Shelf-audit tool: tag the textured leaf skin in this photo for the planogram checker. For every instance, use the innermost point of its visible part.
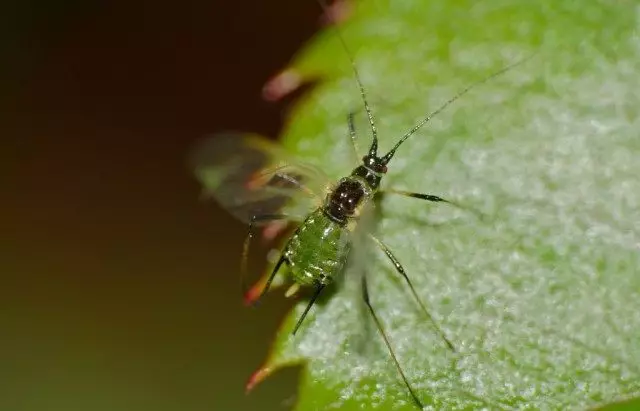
(542, 295)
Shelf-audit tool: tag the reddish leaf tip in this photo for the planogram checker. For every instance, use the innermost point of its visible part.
(281, 84)
(252, 295)
(337, 12)
(258, 376)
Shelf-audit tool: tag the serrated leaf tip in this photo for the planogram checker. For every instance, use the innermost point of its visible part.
(257, 377)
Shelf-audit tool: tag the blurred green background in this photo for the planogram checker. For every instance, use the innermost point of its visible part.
(119, 288)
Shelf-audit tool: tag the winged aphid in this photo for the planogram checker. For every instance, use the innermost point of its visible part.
(259, 183)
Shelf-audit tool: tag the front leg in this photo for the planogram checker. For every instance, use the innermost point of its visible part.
(433, 198)
(428, 197)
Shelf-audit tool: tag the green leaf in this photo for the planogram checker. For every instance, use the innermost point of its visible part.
(541, 297)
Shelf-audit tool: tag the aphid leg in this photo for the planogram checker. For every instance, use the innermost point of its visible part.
(245, 249)
(401, 271)
(352, 135)
(267, 285)
(315, 296)
(432, 198)
(365, 296)
(428, 197)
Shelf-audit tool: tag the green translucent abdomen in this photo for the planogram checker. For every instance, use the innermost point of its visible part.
(318, 250)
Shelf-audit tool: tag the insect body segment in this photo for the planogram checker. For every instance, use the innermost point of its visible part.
(315, 254)
(317, 250)
(347, 199)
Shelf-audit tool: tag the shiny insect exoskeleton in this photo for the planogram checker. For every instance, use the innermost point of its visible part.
(261, 185)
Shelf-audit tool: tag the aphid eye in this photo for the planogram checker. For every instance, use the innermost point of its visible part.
(384, 169)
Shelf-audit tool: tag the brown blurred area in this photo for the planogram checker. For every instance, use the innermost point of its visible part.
(118, 288)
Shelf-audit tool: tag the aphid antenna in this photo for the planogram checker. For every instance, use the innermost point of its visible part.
(374, 132)
(387, 157)
(373, 150)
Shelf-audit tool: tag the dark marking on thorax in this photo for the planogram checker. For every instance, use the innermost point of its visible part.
(342, 203)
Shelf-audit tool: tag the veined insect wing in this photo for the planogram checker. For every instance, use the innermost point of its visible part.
(250, 176)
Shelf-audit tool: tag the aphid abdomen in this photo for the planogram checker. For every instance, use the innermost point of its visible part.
(318, 250)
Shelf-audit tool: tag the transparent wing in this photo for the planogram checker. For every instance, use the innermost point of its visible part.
(248, 176)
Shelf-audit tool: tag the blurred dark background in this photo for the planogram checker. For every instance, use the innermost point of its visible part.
(118, 288)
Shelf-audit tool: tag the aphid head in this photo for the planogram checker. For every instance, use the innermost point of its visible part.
(371, 170)
(374, 163)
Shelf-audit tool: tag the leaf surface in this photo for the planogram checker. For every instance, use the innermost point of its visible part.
(542, 296)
